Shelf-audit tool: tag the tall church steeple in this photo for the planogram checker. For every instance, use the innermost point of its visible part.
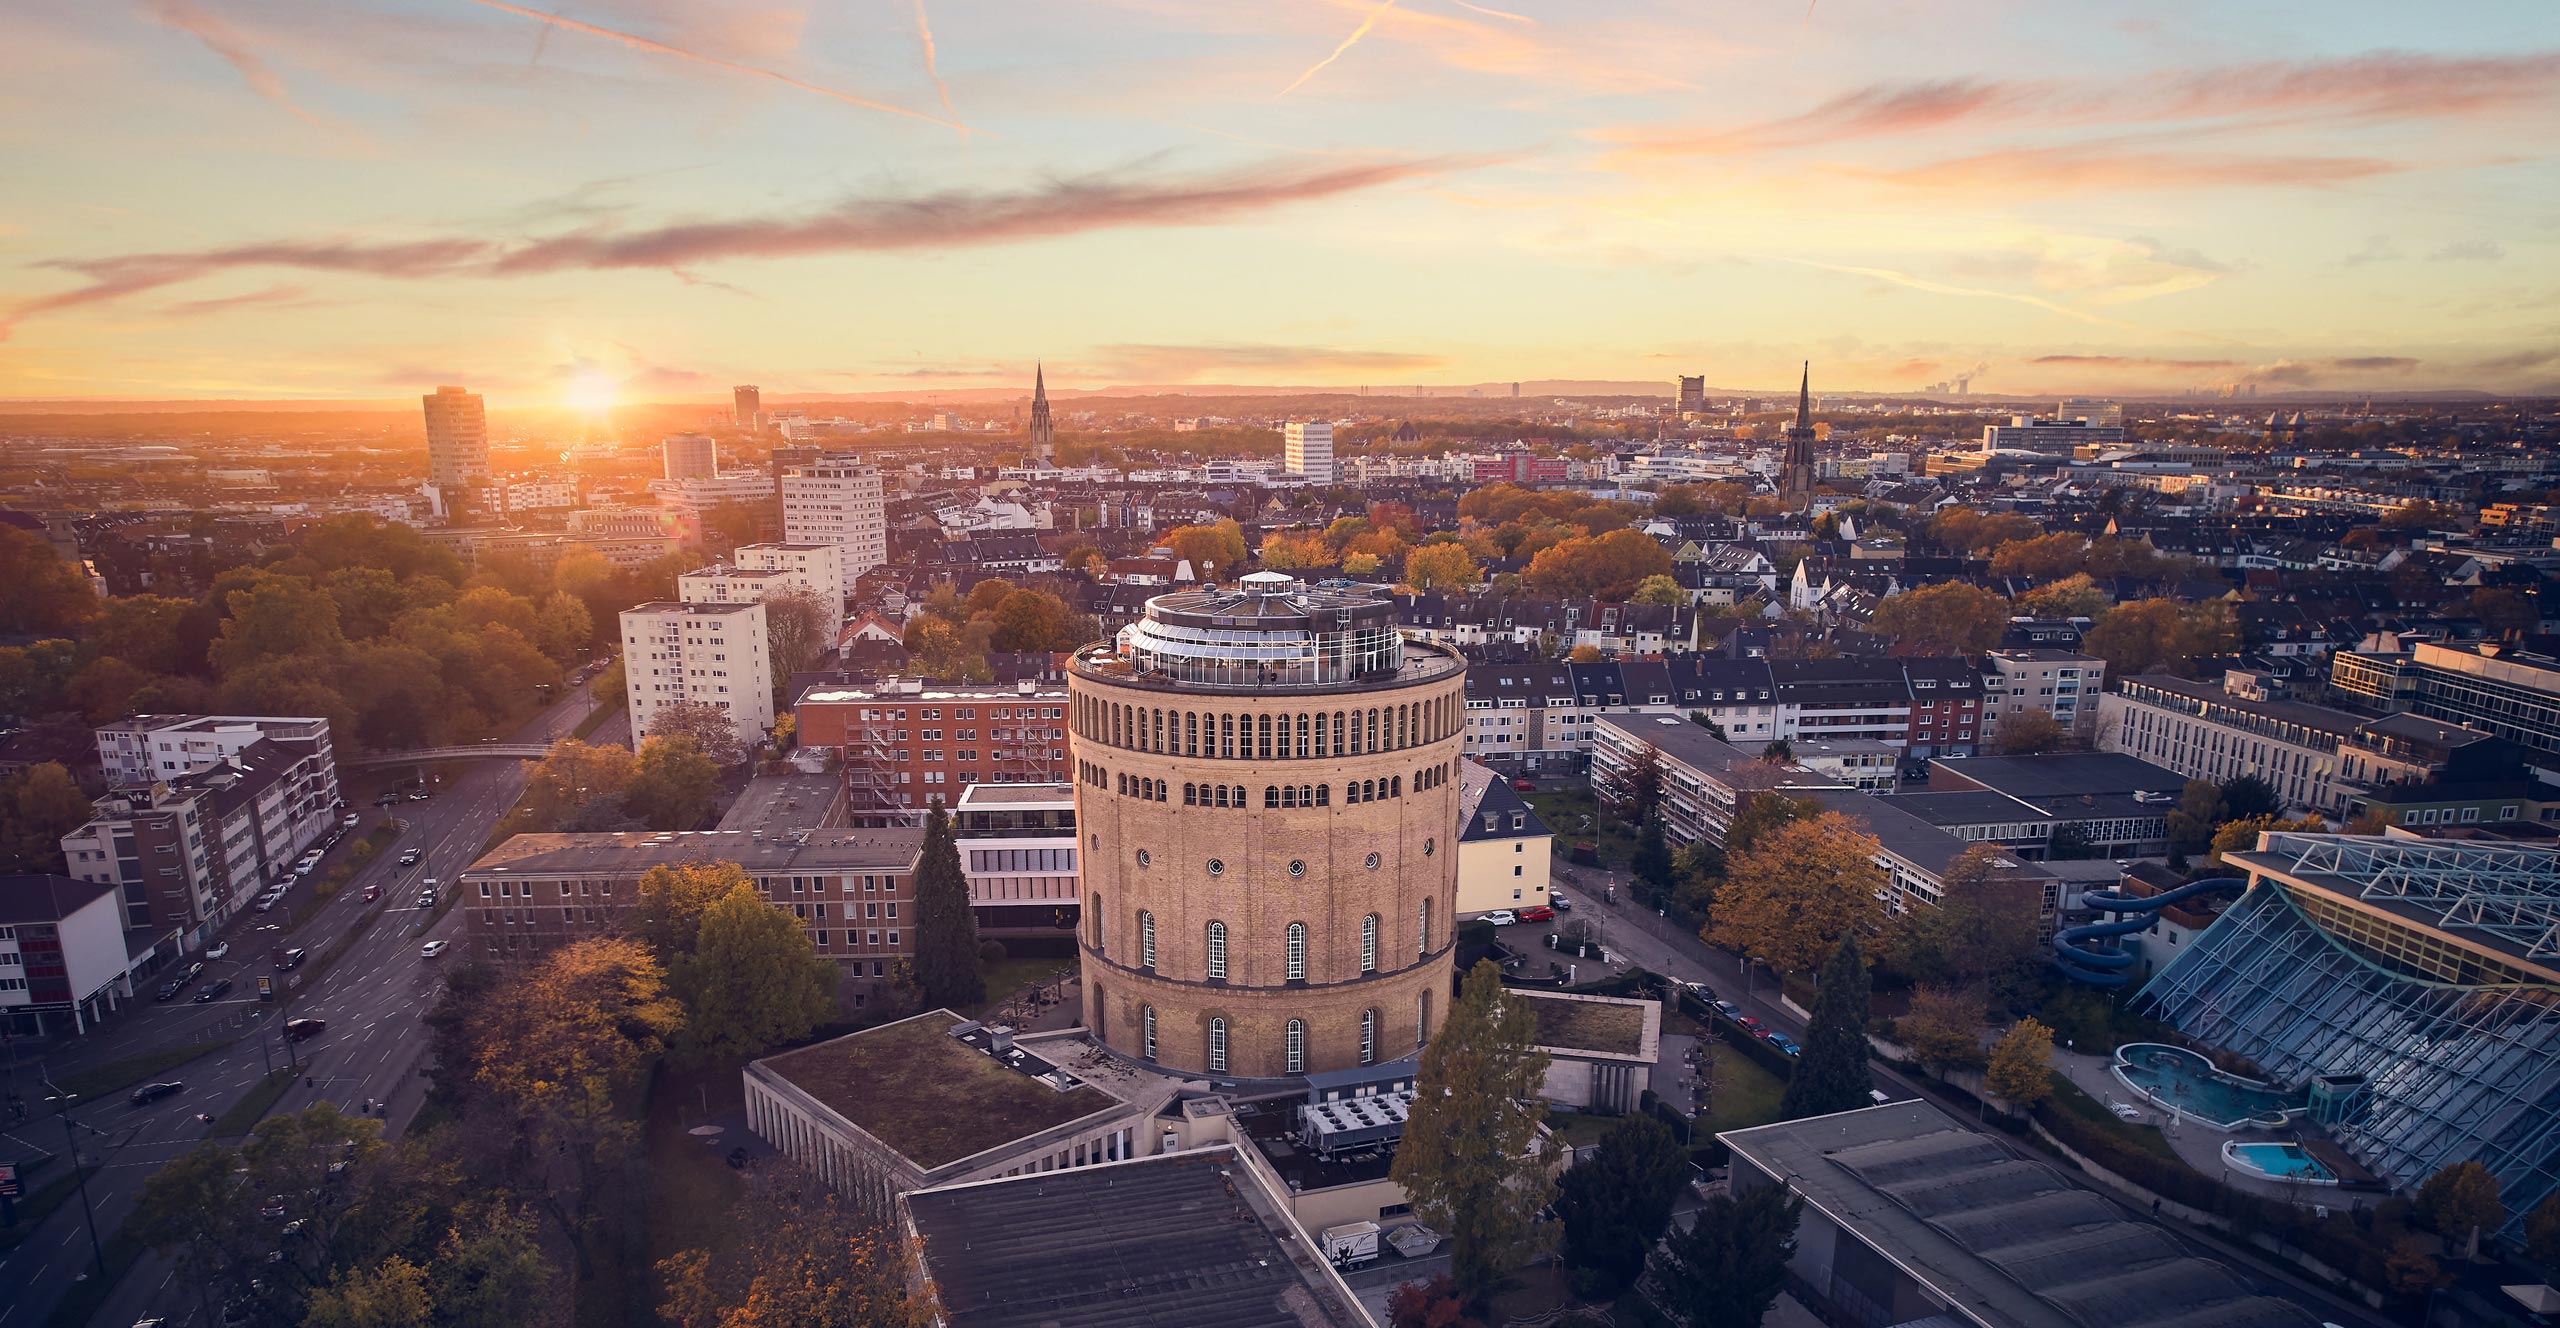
(1795, 464)
(1044, 435)
(1804, 401)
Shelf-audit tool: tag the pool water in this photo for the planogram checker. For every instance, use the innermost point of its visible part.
(2177, 1078)
(2281, 1161)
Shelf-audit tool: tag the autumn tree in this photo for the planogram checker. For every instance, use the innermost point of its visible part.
(1441, 567)
(1981, 934)
(1943, 1029)
(577, 786)
(1659, 590)
(2046, 557)
(1790, 898)
(946, 925)
(1946, 618)
(1216, 551)
(1832, 1072)
(1297, 550)
(799, 1255)
(2161, 636)
(1469, 1162)
(1606, 566)
(40, 594)
(1615, 1205)
(2028, 733)
(1033, 620)
(2021, 1065)
(752, 982)
(1434, 1303)
(36, 810)
(2241, 836)
(2074, 596)
(1727, 1268)
(1585, 653)
(674, 897)
(800, 628)
(2191, 824)
(713, 732)
(2462, 1202)
(672, 783)
(33, 677)
(1759, 813)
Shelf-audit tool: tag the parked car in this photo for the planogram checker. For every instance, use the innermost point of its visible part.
(1786, 1044)
(267, 902)
(304, 868)
(169, 990)
(350, 820)
(1524, 785)
(432, 948)
(420, 796)
(150, 1093)
(1728, 1009)
(427, 900)
(212, 991)
(273, 1208)
(1752, 1026)
(1537, 913)
(290, 959)
(410, 858)
(1701, 990)
(1557, 901)
(295, 1030)
(194, 971)
(217, 950)
(1500, 917)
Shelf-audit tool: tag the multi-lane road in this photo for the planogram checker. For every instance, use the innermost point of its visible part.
(372, 997)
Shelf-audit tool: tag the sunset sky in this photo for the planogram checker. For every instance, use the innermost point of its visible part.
(365, 198)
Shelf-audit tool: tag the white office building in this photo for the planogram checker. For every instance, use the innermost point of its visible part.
(1307, 449)
(837, 501)
(711, 653)
(760, 570)
(691, 456)
(141, 750)
(457, 438)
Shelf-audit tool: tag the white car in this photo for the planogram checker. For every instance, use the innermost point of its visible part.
(1501, 917)
(350, 821)
(218, 950)
(432, 948)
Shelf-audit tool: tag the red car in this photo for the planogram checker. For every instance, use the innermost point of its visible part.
(1525, 785)
(372, 893)
(1536, 913)
(1753, 1026)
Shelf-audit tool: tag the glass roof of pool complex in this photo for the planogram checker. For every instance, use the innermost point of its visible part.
(1266, 632)
(2425, 967)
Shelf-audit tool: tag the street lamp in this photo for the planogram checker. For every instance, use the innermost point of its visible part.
(79, 1173)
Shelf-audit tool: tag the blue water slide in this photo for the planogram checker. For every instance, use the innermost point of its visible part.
(2090, 954)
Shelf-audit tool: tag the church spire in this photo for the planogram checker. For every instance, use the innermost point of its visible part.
(1804, 398)
(1044, 434)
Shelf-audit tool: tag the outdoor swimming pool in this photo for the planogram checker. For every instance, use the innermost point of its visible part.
(2279, 1162)
(2179, 1080)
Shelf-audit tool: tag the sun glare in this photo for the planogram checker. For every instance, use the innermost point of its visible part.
(590, 394)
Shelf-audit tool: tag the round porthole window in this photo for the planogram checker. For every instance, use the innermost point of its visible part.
(1374, 860)
(1146, 859)
(1217, 866)
(1430, 846)
(1297, 868)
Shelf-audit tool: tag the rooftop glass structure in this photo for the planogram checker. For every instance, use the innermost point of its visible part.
(1266, 633)
(2428, 969)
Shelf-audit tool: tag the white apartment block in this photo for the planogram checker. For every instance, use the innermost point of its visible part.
(141, 750)
(1307, 448)
(691, 456)
(541, 494)
(457, 438)
(711, 653)
(837, 501)
(763, 569)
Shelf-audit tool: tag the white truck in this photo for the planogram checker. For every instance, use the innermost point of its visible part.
(1351, 1244)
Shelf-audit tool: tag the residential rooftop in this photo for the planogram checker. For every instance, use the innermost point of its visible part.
(631, 852)
(935, 1098)
(1606, 1025)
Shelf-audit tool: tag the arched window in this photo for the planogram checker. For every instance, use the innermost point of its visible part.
(1190, 795)
(1100, 1006)
(1421, 1022)
(1190, 733)
(1369, 1037)
(1294, 1047)
(1324, 795)
(1337, 733)
(1262, 736)
(1399, 787)
(1097, 924)
(1306, 795)
(1147, 1014)
(1240, 802)
(1288, 796)
(1218, 950)
(1296, 970)
(1222, 795)
(1369, 944)
(1303, 749)
(1425, 935)
(1147, 937)
(1270, 795)
(1217, 1046)
(1227, 737)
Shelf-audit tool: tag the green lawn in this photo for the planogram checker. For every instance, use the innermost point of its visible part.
(129, 1070)
(595, 720)
(248, 1111)
(1579, 1129)
(1010, 975)
(1575, 817)
(2094, 1115)
(1745, 1094)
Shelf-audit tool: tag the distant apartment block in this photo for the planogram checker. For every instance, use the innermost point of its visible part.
(2511, 691)
(746, 408)
(758, 570)
(457, 438)
(63, 959)
(2202, 731)
(140, 750)
(714, 654)
(837, 501)
(1307, 450)
(190, 851)
(905, 742)
(2024, 433)
(2058, 682)
(690, 456)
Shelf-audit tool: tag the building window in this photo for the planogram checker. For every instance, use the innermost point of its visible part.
(1295, 1047)
(1147, 1017)
(1146, 939)
(1424, 939)
(1369, 1037)
(1369, 944)
(1297, 959)
(1217, 950)
(1217, 1046)
(1422, 1019)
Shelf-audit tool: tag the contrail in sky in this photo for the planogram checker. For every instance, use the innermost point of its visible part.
(637, 42)
(924, 33)
(1347, 43)
(217, 36)
(1494, 13)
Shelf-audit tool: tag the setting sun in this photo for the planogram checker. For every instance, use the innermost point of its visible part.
(590, 393)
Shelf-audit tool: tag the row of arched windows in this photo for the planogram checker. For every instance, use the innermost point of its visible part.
(1294, 944)
(1273, 795)
(1293, 1036)
(1269, 737)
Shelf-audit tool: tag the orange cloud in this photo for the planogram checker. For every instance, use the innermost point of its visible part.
(2071, 169)
(217, 36)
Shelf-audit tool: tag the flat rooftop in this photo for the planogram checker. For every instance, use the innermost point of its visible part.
(631, 852)
(1606, 1025)
(778, 804)
(2039, 780)
(929, 1095)
(1018, 795)
(1183, 1240)
(1999, 1239)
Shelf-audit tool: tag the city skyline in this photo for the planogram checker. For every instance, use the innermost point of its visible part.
(631, 201)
